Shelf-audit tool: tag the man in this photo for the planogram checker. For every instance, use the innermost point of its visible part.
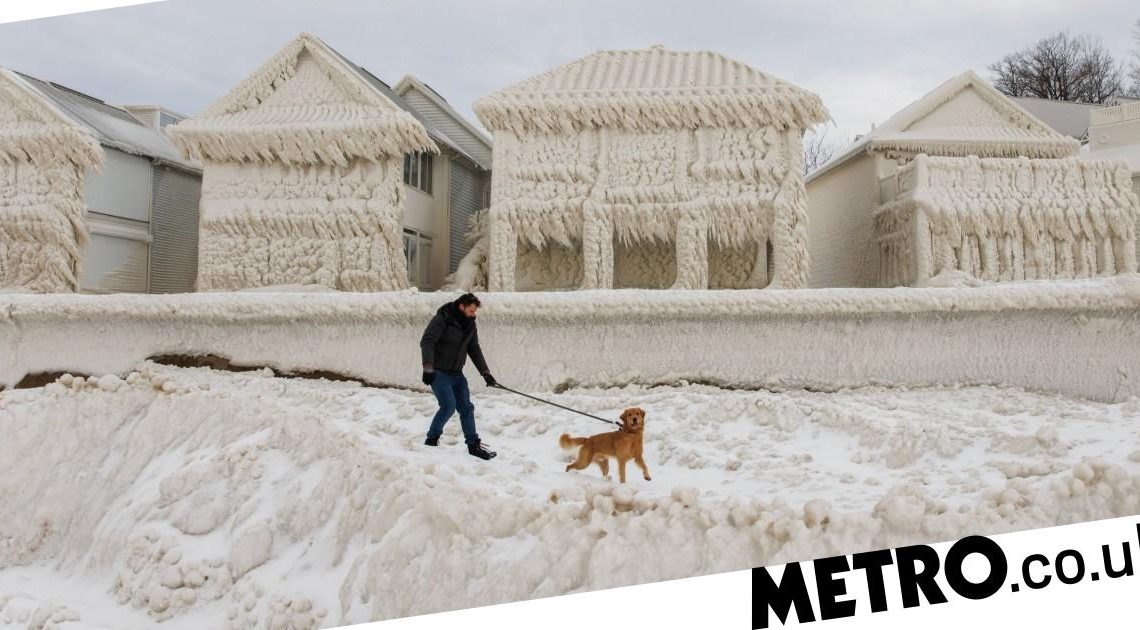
(449, 338)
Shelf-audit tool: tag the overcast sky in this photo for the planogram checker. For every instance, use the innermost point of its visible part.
(866, 59)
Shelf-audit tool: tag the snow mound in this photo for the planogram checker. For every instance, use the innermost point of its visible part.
(203, 498)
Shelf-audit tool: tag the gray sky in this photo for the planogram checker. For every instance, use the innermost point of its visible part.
(866, 59)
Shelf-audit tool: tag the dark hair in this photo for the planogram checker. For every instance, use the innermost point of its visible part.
(468, 298)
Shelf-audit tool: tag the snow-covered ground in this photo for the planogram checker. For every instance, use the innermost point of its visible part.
(209, 499)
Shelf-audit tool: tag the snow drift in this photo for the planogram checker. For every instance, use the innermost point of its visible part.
(214, 499)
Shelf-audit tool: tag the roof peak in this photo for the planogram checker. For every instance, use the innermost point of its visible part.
(249, 123)
(651, 87)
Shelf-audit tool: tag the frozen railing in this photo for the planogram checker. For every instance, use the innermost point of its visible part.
(1119, 113)
(1005, 219)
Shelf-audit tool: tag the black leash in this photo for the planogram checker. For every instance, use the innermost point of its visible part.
(588, 415)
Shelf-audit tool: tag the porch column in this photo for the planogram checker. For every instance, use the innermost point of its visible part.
(921, 264)
(597, 247)
(692, 250)
(503, 252)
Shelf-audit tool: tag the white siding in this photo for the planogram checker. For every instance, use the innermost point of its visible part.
(122, 189)
(427, 214)
(841, 240)
(448, 125)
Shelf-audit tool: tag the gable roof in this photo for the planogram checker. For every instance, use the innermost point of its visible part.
(306, 104)
(477, 135)
(965, 115)
(1065, 117)
(434, 132)
(34, 129)
(650, 88)
(968, 116)
(110, 125)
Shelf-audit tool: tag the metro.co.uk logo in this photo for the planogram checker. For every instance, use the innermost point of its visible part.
(916, 568)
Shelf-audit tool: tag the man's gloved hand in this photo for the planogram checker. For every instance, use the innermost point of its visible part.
(429, 377)
(491, 382)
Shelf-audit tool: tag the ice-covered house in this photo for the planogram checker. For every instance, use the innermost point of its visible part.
(92, 198)
(304, 179)
(648, 168)
(964, 179)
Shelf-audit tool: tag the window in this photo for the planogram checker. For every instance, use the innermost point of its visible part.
(417, 257)
(417, 171)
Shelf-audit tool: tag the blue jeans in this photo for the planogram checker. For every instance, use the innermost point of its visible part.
(452, 393)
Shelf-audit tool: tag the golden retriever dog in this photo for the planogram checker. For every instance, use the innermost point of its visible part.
(623, 445)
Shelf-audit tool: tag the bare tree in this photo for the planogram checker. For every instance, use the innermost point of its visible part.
(1134, 70)
(1061, 67)
(817, 149)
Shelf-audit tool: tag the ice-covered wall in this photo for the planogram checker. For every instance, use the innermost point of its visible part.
(1008, 219)
(651, 169)
(43, 154)
(1077, 338)
(303, 176)
(672, 208)
(270, 223)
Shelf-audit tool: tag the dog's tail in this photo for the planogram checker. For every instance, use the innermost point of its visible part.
(565, 441)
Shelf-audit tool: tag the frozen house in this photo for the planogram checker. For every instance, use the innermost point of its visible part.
(93, 197)
(303, 176)
(649, 168)
(318, 172)
(965, 180)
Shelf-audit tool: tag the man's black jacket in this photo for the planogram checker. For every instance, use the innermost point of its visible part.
(449, 338)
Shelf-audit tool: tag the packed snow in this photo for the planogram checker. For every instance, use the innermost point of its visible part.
(206, 498)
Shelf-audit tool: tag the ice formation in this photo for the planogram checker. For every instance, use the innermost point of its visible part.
(1008, 219)
(43, 155)
(303, 176)
(471, 274)
(648, 168)
(221, 500)
(964, 179)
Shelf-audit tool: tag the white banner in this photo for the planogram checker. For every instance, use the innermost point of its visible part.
(1075, 576)
(17, 10)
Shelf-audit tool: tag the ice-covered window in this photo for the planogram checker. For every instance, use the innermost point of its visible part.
(417, 171)
(417, 257)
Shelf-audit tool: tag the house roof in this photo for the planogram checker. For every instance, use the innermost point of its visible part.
(1129, 153)
(650, 88)
(326, 111)
(409, 82)
(434, 132)
(34, 129)
(1065, 117)
(965, 115)
(106, 124)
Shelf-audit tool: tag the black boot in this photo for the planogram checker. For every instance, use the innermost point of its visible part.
(482, 452)
(432, 441)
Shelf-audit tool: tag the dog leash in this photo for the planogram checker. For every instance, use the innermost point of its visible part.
(588, 415)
